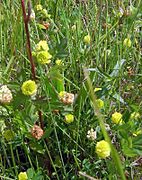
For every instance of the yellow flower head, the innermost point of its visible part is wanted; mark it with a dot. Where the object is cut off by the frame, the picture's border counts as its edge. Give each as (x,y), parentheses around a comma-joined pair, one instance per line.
(117,118)
(69,118)
(87,39)
(39,7)
(43,57)
(127,42)
(22,176)
(135,115)
(103,149)
(62,93)
(44,12)
(29,88)
(100,103)
(42,46)
(58,62)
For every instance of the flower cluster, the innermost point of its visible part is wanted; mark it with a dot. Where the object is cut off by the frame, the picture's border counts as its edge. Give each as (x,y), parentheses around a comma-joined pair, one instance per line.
(5,95)
(29,88)
(103,149)
(42,53)
(66,98)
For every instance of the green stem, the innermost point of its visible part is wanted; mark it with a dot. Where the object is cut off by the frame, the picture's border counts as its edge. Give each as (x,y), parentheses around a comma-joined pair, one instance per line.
(100,117)
(51,160)
(13,160)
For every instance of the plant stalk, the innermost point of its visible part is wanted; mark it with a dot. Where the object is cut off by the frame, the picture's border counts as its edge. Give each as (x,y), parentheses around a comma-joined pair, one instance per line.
(26,21)
(29,50)
(100,118)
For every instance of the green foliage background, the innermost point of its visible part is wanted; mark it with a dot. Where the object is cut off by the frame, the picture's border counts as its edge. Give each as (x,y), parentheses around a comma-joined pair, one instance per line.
(64,150)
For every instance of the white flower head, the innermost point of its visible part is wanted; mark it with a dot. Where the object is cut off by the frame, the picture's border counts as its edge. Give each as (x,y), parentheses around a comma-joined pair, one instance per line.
(91,134)
(5,95)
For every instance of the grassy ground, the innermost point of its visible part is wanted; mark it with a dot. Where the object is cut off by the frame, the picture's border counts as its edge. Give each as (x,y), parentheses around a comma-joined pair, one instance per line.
(99,44)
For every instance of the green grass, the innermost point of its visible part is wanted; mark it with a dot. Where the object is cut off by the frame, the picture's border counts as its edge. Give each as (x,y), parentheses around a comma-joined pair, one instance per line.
(64,151)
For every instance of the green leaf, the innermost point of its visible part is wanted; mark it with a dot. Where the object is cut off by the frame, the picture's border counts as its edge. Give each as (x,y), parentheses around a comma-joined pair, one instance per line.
(30,173)
(117,68)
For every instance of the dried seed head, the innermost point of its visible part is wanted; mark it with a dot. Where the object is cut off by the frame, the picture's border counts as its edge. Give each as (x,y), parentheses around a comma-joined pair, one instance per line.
(37,132)
(66,98)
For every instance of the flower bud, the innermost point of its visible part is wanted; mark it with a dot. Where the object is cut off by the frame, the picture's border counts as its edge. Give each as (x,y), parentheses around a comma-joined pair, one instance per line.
(127,42)
(87,39)
(100,103)
(69,118)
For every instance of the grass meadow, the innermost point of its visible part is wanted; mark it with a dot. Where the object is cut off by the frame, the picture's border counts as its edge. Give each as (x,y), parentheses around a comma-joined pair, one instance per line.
(70,90)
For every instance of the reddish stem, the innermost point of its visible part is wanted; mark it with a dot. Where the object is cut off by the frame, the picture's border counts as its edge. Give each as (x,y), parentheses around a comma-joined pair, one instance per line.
(26,20)
(40,118)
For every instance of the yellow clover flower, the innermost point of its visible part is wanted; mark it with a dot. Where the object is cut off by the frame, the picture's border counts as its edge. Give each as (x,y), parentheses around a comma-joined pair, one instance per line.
(58,62)
(39,7)
(42,46)
(69,118)
(103,149)
(117,118)
(29,88)
(87,39)
(62,93)
(44,57)
(100,103)
(44,12)
(22,176)
(135,115)
(127,42)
